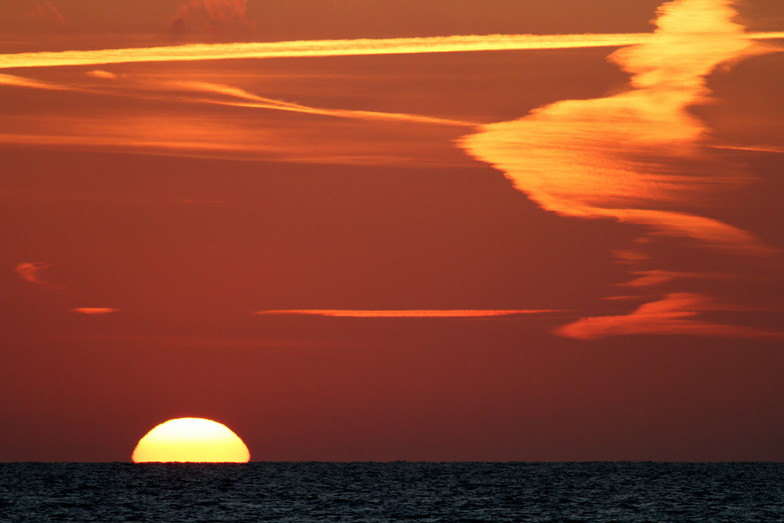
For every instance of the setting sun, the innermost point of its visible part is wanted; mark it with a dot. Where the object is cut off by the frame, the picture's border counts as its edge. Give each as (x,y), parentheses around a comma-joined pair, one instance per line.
(191,440)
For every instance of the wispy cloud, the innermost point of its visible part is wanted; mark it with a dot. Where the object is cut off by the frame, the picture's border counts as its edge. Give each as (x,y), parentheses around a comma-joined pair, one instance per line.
(219,16)
(47,12)
(253,101)
(207,136)
(100,73)
(94,311)
(316,48)
(776,149)
(675,314)
(136,87)
(30,272)
(632,155)
(425,313)
(639,157)
(657,277)
(19,81)
(210,136)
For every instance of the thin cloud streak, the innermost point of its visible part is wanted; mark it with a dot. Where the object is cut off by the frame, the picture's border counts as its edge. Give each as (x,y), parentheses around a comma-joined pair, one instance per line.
(775,149)
(260,102)
(19,81)
(675,314)
(424,313)
(657,277)
(94,311)
(320,48)
(252,101)
(30,272)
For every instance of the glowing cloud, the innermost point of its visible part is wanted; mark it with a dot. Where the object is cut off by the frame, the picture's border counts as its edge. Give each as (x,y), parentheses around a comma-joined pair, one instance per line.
(638,156)
(94,311)
(658,276)
(99,73)
(631,155)
(246,99)
(427,313)
(675,314)
(315,48)
(18,81)
(29,272)
(253,101)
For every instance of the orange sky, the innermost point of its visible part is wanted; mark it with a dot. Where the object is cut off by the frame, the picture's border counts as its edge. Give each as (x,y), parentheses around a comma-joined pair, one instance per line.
(515,237)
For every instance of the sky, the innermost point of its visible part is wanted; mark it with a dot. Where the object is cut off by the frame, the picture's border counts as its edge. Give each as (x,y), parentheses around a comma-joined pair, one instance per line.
(374,230)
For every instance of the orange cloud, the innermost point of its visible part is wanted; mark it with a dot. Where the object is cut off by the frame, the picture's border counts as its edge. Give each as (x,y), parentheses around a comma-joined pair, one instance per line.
(200,136)
(316,48)
(639,157)
(28,271)
(632,155)
(98,73)
(425,313)
(657,277)
(18,81)
(675,314)
(94,311)
(252,101)
(776,149)
(260,102)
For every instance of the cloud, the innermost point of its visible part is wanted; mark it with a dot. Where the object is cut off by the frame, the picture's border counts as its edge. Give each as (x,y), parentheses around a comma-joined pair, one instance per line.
(98,73)
(30,272)
(426,313)
(776,149)
(210,136)
(47,12)
(316,48)
(640,157)
(253,101)
(19,81)
(675,314)
(218,16)
(246,99)
(634,155)
(94,311)
(657,277)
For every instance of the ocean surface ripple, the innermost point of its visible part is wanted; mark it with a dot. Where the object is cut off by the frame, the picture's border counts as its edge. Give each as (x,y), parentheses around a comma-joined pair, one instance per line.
(399,491)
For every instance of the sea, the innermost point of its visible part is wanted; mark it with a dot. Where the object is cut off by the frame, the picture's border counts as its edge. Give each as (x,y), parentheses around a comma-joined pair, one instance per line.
(398,491)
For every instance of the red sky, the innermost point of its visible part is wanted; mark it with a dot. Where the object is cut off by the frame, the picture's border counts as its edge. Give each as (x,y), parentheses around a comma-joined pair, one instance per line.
(554,247)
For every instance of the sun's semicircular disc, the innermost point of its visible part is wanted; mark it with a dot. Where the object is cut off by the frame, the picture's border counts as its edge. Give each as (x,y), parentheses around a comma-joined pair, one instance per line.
(191,440)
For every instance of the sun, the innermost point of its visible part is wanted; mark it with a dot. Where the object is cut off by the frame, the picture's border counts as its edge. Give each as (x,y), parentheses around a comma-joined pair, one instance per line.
(194,440)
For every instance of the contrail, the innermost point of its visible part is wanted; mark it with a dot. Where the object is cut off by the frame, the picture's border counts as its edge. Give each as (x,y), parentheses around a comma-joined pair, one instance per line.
(316,48)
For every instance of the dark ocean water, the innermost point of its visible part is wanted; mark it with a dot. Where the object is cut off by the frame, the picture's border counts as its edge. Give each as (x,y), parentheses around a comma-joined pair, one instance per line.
(299,492)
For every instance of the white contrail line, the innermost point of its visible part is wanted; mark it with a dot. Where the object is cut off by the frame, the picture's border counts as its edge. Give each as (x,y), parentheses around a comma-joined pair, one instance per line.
(320,48)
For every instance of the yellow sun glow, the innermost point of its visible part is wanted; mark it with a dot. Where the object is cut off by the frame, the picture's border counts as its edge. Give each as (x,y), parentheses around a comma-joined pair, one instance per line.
(191,440)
